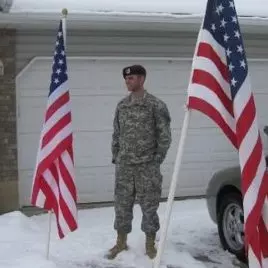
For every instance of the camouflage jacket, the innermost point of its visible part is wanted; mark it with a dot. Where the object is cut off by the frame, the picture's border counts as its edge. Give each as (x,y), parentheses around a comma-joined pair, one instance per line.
(141,131)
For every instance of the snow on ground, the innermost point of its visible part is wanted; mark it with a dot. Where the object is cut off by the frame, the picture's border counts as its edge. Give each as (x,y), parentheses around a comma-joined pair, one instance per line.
(192,241)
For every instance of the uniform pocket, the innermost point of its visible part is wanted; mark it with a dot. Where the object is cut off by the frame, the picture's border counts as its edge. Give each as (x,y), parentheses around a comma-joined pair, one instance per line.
(151,178)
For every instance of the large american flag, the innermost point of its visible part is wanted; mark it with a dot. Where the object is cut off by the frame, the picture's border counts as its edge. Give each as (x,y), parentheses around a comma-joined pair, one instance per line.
(220,88)
(53,184)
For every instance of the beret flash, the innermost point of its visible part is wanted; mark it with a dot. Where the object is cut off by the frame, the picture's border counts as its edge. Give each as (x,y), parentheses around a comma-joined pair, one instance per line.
(134,70)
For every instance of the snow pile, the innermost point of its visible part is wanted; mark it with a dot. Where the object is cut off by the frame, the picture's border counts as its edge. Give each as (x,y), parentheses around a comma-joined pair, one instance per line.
(23,241)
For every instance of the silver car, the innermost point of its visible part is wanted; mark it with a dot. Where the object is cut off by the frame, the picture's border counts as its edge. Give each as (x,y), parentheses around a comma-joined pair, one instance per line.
(225,207)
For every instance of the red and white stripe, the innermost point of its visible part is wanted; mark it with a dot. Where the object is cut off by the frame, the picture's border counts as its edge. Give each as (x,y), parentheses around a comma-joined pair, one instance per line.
(209,92)
(53,184)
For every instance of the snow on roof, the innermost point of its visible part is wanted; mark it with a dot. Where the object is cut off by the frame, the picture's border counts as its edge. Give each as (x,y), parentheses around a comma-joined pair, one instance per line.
(245,8)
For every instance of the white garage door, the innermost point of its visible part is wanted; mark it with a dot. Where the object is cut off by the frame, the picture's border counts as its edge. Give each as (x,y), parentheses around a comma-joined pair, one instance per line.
(96,85)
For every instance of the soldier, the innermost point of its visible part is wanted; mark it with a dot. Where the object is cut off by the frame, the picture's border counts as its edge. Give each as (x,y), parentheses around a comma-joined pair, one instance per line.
(140,142)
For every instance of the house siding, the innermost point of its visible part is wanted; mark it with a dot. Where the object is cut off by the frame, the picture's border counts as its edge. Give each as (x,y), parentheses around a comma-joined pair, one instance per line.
(112,43)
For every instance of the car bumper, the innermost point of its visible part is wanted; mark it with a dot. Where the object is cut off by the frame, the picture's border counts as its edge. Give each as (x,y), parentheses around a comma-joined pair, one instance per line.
(211,206)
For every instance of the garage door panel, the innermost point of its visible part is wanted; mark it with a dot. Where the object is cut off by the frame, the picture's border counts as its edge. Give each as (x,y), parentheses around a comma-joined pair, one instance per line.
(92,180)
(34,82)
(86,84)
(102,107)
(192,180)
(257,71)
(88,182)
(93,149)
(193,177)
(176,106)
(95,113)
(90,149)
(89,113)
(88,78)
(25,186)
(207,145)
(31,114)
(261,101)
(28,145)
(161,85)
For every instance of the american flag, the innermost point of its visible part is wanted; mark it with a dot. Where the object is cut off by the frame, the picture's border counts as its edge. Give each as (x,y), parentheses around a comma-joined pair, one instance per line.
(220,88)
(53,185)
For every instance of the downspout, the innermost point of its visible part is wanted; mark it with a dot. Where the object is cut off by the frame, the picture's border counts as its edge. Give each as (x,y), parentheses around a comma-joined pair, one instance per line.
(5,5)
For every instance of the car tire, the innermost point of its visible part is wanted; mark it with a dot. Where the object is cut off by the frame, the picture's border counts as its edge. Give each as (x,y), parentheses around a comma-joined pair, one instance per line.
(231,225)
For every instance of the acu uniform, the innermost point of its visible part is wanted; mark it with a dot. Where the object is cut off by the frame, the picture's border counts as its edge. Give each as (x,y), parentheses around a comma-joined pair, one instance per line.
(140,142)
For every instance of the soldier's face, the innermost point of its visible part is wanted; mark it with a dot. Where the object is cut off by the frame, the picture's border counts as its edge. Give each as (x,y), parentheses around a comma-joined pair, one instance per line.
(134,82)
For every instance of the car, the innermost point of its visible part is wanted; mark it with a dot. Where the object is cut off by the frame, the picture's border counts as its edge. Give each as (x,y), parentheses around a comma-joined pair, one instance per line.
(225,207)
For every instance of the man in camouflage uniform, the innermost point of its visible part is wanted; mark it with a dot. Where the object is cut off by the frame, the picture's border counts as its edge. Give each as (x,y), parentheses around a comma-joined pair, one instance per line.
(140,142)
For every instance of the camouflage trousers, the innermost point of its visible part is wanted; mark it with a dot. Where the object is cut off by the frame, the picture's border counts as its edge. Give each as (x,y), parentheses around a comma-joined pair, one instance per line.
(144,183)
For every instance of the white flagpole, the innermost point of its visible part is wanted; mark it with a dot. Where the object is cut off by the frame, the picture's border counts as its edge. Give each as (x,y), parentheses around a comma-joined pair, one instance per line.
(177,165)
(49,232)
(64,15)
(173,184)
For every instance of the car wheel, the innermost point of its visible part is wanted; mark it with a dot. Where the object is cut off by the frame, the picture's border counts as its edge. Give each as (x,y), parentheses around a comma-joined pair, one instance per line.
(231,225)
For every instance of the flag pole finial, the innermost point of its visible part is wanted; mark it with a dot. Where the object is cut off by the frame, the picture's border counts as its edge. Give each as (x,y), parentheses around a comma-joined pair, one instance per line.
(64,12)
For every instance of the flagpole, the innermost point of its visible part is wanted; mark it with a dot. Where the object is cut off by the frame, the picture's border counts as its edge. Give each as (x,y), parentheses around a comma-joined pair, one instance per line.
(173,184)
(64,16)
(49,232)
(177,166)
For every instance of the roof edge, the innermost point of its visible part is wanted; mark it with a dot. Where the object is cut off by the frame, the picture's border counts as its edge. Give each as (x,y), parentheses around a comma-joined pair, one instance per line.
(45,18)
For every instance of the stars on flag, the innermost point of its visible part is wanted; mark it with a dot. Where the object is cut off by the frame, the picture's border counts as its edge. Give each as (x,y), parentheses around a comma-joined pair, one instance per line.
(59,74)
(225,21)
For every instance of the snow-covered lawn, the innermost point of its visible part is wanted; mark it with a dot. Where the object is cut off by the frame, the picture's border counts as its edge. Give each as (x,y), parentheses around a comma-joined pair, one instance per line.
(192,240)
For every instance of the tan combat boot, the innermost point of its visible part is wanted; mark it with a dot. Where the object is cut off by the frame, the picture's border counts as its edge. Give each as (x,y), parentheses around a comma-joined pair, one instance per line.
(149,246)
(121,244)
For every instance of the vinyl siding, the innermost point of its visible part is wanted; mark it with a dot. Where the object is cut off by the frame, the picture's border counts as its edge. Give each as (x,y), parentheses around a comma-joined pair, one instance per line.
(141,44)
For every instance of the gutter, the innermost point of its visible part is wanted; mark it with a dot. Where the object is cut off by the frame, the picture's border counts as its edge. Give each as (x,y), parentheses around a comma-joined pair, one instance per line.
(77,19)
(116,16)
(15,17)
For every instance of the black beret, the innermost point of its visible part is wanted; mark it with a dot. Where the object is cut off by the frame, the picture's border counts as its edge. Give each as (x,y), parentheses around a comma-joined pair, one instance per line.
(134,69)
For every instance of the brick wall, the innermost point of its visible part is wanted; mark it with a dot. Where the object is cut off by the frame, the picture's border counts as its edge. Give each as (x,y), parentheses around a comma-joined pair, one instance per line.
(8,140)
